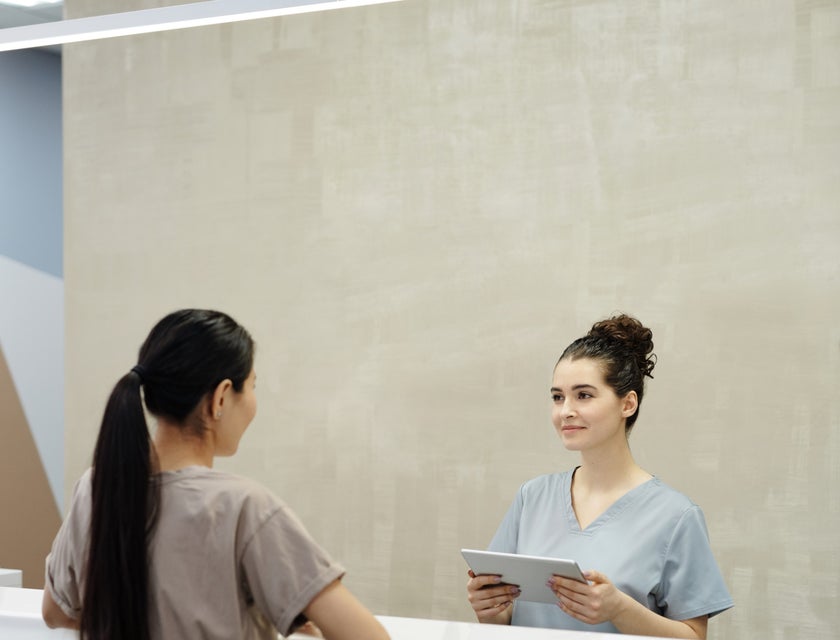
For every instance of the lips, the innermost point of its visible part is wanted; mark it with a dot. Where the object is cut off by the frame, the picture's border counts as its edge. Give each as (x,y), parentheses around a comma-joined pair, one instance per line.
(571,429)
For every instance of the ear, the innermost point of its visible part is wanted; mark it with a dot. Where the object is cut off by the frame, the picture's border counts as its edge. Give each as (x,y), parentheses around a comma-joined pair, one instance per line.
(218,399)
(629,404)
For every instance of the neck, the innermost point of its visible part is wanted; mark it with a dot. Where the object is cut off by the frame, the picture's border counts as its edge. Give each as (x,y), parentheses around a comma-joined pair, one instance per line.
(609,467)
(177,447)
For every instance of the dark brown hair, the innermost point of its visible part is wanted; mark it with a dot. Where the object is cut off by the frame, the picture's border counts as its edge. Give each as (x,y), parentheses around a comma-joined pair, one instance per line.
(624,348)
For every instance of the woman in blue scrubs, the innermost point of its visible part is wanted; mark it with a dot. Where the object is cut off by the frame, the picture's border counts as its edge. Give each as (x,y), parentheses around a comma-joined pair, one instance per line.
(654,572)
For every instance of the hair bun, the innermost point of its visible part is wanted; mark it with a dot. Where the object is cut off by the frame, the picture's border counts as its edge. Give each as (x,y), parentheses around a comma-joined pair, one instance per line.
(636,338)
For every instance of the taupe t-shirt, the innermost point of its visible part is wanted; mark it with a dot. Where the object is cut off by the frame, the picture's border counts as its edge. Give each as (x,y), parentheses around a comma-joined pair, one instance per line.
(227,559)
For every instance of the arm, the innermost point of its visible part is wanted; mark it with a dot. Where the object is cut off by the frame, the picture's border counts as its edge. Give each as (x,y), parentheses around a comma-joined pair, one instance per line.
(53,616)
(65,559)
(600,601)
(491,604)
(340,616)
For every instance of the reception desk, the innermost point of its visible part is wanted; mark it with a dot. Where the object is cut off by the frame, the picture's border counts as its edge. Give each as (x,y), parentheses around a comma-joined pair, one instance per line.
(20,618)
(423,629)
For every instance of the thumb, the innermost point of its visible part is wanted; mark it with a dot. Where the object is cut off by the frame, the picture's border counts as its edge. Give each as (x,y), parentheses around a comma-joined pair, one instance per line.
(594,576)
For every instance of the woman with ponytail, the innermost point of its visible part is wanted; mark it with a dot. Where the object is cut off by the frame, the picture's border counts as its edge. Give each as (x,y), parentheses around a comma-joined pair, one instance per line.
(656,574)
(157,544)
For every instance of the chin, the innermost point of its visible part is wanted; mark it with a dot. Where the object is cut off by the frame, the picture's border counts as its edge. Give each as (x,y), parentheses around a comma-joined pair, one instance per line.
(570,444)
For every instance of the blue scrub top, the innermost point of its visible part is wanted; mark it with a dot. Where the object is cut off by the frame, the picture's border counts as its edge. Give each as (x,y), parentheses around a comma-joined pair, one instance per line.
(652,543)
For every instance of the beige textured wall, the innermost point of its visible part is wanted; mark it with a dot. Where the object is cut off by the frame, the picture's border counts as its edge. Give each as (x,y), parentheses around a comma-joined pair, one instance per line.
(415,207)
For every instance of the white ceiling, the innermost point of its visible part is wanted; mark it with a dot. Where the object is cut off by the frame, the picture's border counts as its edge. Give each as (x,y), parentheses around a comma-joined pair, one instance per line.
(21,16)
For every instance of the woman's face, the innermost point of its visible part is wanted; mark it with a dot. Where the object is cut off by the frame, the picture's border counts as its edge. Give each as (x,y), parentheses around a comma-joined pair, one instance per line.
(586,412)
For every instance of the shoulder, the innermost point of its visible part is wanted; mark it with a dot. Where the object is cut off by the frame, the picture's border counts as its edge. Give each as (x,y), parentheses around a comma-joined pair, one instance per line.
(666,495)
(229,490)
(675,509)
(236,484)
(547,485)
(210,480)
(82,492)
(83,484)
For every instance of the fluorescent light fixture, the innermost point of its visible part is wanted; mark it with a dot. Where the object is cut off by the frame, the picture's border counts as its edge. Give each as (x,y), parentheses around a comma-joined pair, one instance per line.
(29,3)
(182,16)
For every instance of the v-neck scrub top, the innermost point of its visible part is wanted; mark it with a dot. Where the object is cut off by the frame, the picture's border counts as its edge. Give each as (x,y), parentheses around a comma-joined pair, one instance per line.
(652,544)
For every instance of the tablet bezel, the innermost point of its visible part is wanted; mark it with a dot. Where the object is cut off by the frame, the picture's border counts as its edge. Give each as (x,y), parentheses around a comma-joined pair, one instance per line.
(529,573)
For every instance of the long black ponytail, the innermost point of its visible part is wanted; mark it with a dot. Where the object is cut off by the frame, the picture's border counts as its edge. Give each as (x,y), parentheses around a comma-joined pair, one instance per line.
(123,512)
(186,355)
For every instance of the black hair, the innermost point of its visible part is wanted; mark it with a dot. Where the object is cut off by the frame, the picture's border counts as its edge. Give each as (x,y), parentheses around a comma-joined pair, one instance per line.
(624,348)
(186,355)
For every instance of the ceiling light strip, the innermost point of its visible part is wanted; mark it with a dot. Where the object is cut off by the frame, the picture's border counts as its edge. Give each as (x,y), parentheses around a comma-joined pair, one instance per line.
(182,16)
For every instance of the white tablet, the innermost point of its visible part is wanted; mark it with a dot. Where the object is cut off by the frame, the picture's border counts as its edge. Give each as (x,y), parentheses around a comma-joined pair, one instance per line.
(529,573)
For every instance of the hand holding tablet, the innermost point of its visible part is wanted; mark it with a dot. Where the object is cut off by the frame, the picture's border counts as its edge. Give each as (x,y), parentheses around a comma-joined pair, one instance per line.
(529,573)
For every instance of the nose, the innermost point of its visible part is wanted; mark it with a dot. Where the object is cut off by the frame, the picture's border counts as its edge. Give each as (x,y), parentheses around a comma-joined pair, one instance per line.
(568,409)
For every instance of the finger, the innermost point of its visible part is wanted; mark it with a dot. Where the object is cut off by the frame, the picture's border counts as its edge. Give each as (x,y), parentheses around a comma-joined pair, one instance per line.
(483,580)
(492,612)
(573,610)
(309,629)
(470,573)
(595,576)
(567,585)
(494,606)
(570,602)
(576,608)
(484,598)
(510,593)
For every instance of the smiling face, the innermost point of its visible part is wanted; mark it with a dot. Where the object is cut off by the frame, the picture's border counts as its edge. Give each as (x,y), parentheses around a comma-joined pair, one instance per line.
(586,411)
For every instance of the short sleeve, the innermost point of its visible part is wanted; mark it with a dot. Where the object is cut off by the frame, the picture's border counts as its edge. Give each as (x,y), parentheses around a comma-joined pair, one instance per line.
(692,584)
(284,568)
(507,535)
(65,562)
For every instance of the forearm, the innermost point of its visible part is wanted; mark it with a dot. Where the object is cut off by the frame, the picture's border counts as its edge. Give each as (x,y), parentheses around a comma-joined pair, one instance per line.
(636,619)
(340,616)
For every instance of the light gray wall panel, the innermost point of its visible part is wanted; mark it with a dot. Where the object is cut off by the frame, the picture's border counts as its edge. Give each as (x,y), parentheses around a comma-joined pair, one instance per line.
(30,159)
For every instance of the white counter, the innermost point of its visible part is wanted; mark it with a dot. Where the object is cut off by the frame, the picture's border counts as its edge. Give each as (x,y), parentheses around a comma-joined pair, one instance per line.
(20,618)
(422,629)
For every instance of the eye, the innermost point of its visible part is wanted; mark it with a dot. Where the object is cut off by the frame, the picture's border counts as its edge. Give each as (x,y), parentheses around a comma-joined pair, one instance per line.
(556,397)
(584,395)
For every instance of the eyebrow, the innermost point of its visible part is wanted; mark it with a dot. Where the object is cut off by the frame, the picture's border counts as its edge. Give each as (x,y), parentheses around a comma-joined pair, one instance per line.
(576,387)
